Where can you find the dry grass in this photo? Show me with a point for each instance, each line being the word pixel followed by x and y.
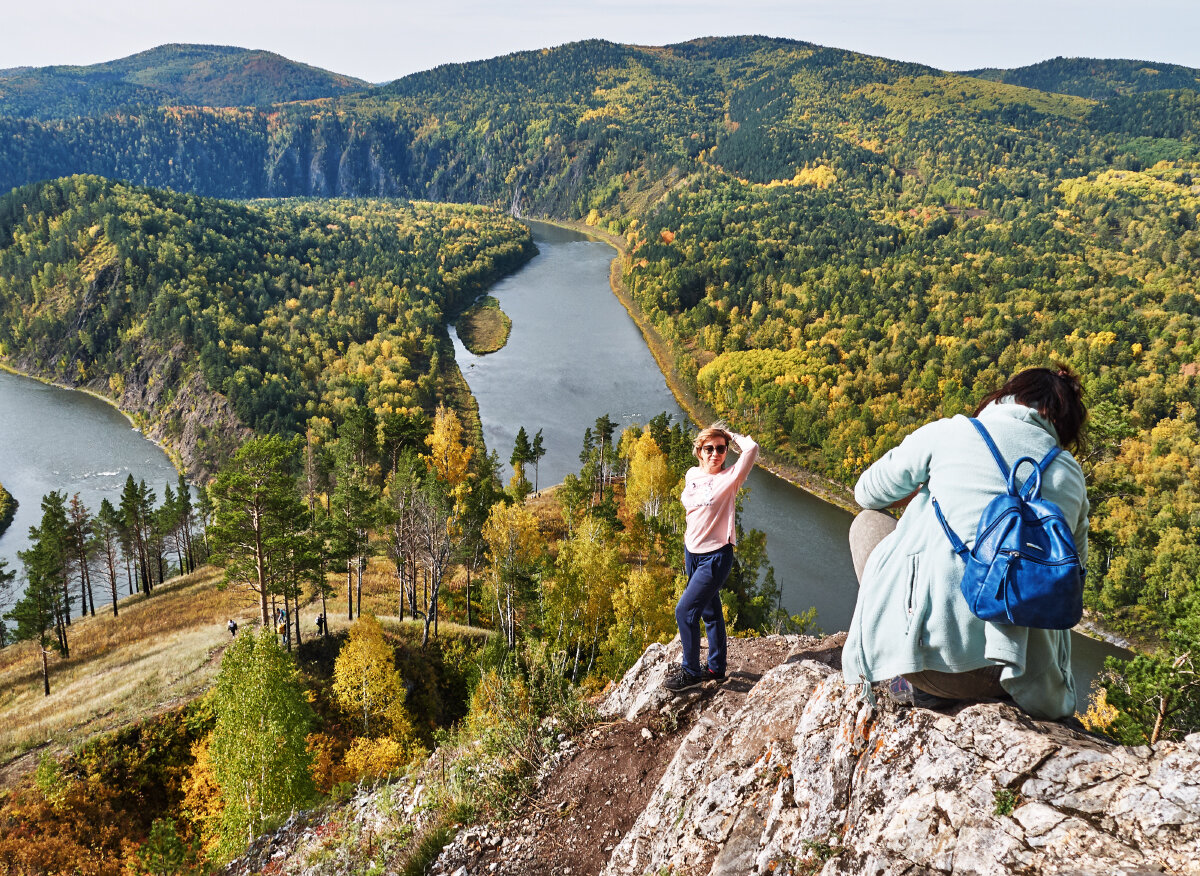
pixel 159 652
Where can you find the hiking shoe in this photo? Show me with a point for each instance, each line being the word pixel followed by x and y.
pixel 901 691
pixel 710 675
pixel 682 680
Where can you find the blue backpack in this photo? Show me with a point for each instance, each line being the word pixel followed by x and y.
pixel 1024 568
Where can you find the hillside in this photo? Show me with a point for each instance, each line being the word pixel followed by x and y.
pixel 785 770
pixel 169 75
pixel 207 318
pixel 833 247
pixel 1096 78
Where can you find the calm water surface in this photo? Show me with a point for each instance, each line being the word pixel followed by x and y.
pixel 59 439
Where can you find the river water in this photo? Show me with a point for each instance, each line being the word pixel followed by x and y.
pixel 59 439
pixel 575 354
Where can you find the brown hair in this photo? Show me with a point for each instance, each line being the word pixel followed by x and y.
pixel 1055 392
pixel 717 428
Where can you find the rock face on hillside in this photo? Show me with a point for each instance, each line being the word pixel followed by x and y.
pixel 784 769
pixel 198 425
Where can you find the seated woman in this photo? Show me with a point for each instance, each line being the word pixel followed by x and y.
pixel 911 619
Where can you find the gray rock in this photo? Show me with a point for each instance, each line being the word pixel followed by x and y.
pixel 806 771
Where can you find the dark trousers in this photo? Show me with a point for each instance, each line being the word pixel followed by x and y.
pixel 702 599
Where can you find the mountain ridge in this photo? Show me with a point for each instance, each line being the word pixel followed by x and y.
pixel 1095 78
pixel 168 75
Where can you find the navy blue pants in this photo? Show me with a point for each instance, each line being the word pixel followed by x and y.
pixel 702 599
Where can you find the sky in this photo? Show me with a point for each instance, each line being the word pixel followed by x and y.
pixel 382 40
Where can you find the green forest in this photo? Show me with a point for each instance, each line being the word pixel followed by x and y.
pixel 833 248
pixel 290 311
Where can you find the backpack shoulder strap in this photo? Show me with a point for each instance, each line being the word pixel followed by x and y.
pixel 987 439
pixel 1026 490
pixel 955 542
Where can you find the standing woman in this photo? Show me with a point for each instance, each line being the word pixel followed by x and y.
pixel 911 624
pixel 710 502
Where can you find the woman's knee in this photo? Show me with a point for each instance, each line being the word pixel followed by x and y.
pixel 867 530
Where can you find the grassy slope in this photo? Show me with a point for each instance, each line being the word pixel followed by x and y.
pixel 160 652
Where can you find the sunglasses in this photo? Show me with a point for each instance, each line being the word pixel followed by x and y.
pixel 710 449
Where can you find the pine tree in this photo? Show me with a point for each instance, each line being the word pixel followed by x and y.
pixel 107 537
pixel 522 450
pixel 536 451
pixel 256 509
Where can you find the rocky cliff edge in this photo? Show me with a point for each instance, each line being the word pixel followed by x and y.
pixel 784 769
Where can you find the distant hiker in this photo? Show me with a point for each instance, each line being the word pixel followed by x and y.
pixel 912 625
pixel 232 627
pixel 321 624
pixel 709 501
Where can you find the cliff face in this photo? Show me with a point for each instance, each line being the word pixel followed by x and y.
pixel 784 769
pixel 168 392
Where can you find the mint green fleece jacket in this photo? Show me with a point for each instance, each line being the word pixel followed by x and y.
pixel 911 615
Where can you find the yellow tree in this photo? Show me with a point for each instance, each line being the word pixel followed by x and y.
pixel 514 547
pixel 578 599
pixel 366 683
pixel 449 454
pixel 643 612
pixel 649 486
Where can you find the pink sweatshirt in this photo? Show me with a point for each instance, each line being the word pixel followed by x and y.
pixel 710 500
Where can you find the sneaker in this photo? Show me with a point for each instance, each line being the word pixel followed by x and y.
pixel 682 680
pixel 901 691
pixel 710 675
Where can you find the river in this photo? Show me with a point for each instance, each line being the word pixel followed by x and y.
pixel 575 354
pixel 59 439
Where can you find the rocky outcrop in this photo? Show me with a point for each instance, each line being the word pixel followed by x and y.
pixel 169 397
pixel 807 776
pixel 783 769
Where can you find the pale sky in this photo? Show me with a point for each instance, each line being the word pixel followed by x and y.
pixel 378 40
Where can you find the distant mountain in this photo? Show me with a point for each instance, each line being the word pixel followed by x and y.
pixel 171 75
pixel 1095 78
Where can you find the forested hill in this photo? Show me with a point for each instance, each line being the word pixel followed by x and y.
pixel 195 75
pixel 1096 78
pixel 207 315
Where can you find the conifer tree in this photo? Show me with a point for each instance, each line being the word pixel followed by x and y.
pixel 537 449
pixel 107 537
pixel 256 509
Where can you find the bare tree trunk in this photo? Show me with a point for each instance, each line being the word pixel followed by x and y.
pixel 361 565
pixel 1164 704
